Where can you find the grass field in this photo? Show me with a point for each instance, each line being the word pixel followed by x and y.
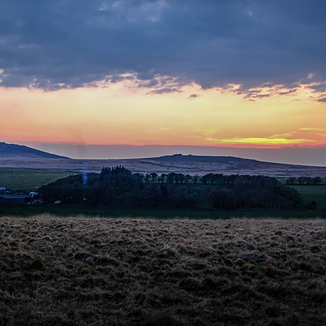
pixel 102 271
pixel 313 192
pixel 29 179
pixel 32 179
pixel 28 211
pixel 310 192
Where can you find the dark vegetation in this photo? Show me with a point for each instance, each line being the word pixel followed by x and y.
pixel 303 181
pixel 159 213
pixel 118 187
pixel 136 272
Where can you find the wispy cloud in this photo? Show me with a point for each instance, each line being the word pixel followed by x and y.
pixel 193 96
pixel 313 129
pixel 291 91
pixel 165 90
pixel 260 141
pixel 297 137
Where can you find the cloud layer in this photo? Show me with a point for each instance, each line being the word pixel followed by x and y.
pixel 66 44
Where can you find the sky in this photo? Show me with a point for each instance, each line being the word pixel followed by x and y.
pixel 139 78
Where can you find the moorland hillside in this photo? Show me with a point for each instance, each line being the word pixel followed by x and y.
pixel 144 272
pixel 16 156
pixel 20 151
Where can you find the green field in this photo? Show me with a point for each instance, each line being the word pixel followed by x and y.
pixel 29 179
pixel 313 192
pixel 310 193
pixel 29 211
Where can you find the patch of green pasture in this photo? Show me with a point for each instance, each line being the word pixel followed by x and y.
pixel 311 193
pixel 29 179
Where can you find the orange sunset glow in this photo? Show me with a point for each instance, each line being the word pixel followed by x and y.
pixel 237 75
pixel 124 114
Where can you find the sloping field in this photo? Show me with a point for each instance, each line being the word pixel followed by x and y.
pixel 104 271
pixel 313 192
pixel 29 179
pixel 161 165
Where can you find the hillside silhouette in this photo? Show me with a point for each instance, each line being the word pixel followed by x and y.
pixel 13 150
pixel 17 156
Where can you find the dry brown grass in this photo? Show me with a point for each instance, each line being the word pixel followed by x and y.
pixel 102 271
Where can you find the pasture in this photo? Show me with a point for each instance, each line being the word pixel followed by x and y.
pixel 104 271
pixel 60 211
pixel 313 192
pixel 29 179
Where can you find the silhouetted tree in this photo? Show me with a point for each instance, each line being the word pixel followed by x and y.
pixel 290 181
pixel 317 180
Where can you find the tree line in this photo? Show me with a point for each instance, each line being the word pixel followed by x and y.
pixel 304 181
pixel 119 187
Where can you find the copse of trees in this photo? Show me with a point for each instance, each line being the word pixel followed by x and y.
pixel 303 181
pixel 119 187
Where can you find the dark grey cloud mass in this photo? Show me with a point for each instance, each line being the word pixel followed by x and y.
pixel 66 43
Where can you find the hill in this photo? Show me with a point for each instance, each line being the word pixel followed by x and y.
pixel 230 161
pixel 17 156
pixel 20 151
pixel 201 165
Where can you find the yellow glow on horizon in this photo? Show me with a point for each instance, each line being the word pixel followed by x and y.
pixel 124 113
pixel 261 141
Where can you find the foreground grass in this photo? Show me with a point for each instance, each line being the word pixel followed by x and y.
pixel 104 271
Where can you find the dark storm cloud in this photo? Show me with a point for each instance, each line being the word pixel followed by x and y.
pixel 56 44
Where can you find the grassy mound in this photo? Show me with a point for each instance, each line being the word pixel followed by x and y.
pixel 102 271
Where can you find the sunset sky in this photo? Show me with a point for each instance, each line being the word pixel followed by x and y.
pixel 137 78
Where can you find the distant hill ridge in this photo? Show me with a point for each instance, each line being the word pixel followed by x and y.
pixel 12 150
pixel 18 156
pixel 206 159
pixel 229 160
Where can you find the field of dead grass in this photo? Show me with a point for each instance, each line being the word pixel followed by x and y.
pixel 104 271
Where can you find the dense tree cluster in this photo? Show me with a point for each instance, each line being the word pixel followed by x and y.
pixel 119 187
